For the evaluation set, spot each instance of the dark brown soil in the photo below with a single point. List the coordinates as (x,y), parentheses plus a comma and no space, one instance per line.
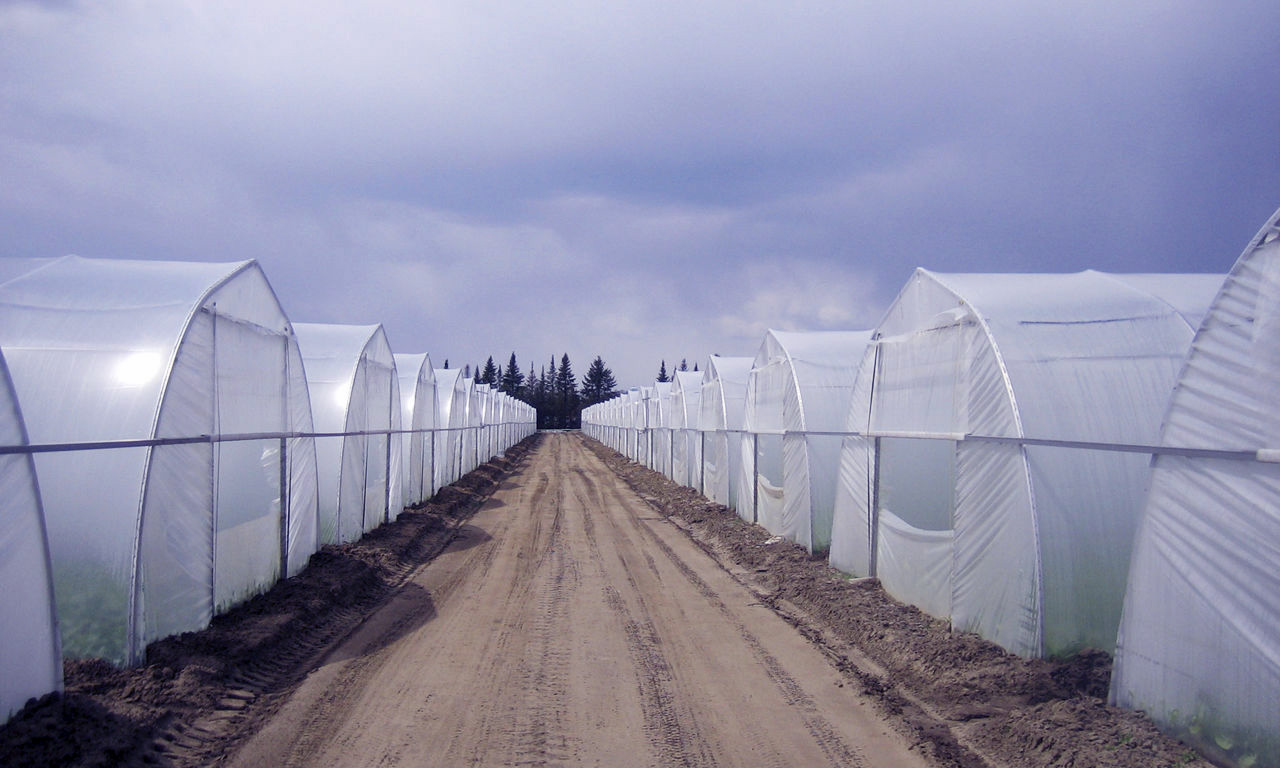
(202,690)
(976,703)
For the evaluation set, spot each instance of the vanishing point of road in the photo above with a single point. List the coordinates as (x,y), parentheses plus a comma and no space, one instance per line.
(571,624)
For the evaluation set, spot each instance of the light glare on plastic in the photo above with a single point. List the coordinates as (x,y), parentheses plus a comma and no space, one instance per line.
(138,368)
(342,397)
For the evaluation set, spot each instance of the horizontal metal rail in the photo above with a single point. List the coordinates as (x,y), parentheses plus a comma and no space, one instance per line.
(97,445)
(1262,455)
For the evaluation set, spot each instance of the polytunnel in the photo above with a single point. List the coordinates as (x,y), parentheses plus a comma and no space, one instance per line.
(491,411)
(446,435)
(600,421)
(1199,641)
(723,404)
(463,420)
(418,417)
(180,382)
(616,433)
(658,418)
(962,490)
(686,440)
(481,402)
(635,423)
(797,402)
(30,657)
(355,398)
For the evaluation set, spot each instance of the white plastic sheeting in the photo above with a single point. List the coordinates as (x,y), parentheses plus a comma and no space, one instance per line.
(1199,642)
(723,405)
(800,384)
(354,389)
(151,541)
(635,421)
(659,405)
(446,436)
(686,440)
(418,411)
(30,659)
(465,417)
(609,422)
(1026,545)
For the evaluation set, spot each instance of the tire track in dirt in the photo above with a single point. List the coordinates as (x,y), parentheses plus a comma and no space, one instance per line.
(526,663)
(837,751)
(563,631)
(671,729)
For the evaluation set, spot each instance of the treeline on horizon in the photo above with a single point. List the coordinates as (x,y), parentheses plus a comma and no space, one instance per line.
(553,391)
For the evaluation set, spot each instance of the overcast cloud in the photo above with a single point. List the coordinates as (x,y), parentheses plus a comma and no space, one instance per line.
(639,180)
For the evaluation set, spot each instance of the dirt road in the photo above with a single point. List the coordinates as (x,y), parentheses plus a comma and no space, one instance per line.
(571,624)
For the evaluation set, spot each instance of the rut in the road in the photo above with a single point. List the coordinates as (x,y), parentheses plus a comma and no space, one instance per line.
(576,627)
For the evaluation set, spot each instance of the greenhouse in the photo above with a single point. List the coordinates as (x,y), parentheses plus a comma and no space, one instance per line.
(723,404)
(446,436)
(30,659)
(603,421)
(355,397)
(984,481)
(659,416)
(634,423)
(686,440)
(797,402)
(1199,641)
(482,420)
(462,424)
(196,368)
(418,416)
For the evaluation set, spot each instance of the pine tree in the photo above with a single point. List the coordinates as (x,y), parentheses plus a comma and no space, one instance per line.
(598,385)
(570,407)
(489,375)
(543,404)
(512,378)
(684,364)
(466,371)
(446,363)
(662,372)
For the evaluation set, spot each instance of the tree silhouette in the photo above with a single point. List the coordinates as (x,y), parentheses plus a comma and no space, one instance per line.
(489,374)
(512,381)
(662,372)
(598,385)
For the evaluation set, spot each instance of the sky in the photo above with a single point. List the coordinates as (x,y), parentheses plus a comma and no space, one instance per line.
(637,180)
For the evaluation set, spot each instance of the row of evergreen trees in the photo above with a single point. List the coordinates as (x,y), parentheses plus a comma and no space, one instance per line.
(664,376)
(553,391)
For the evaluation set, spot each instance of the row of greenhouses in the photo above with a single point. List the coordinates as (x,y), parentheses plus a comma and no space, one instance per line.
(171,445)
(1051,461)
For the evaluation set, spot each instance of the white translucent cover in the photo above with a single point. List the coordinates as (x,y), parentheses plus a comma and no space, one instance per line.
(1199,642)
(352,376)
(30,662)
(686,448)
(723,406)
(461,423)
(800,382)
(1039,536)
(446,439)
(659,405)
(144,545)
(417,412)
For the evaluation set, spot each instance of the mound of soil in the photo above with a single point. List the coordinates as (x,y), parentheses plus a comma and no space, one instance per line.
(202,690)
(970,702)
